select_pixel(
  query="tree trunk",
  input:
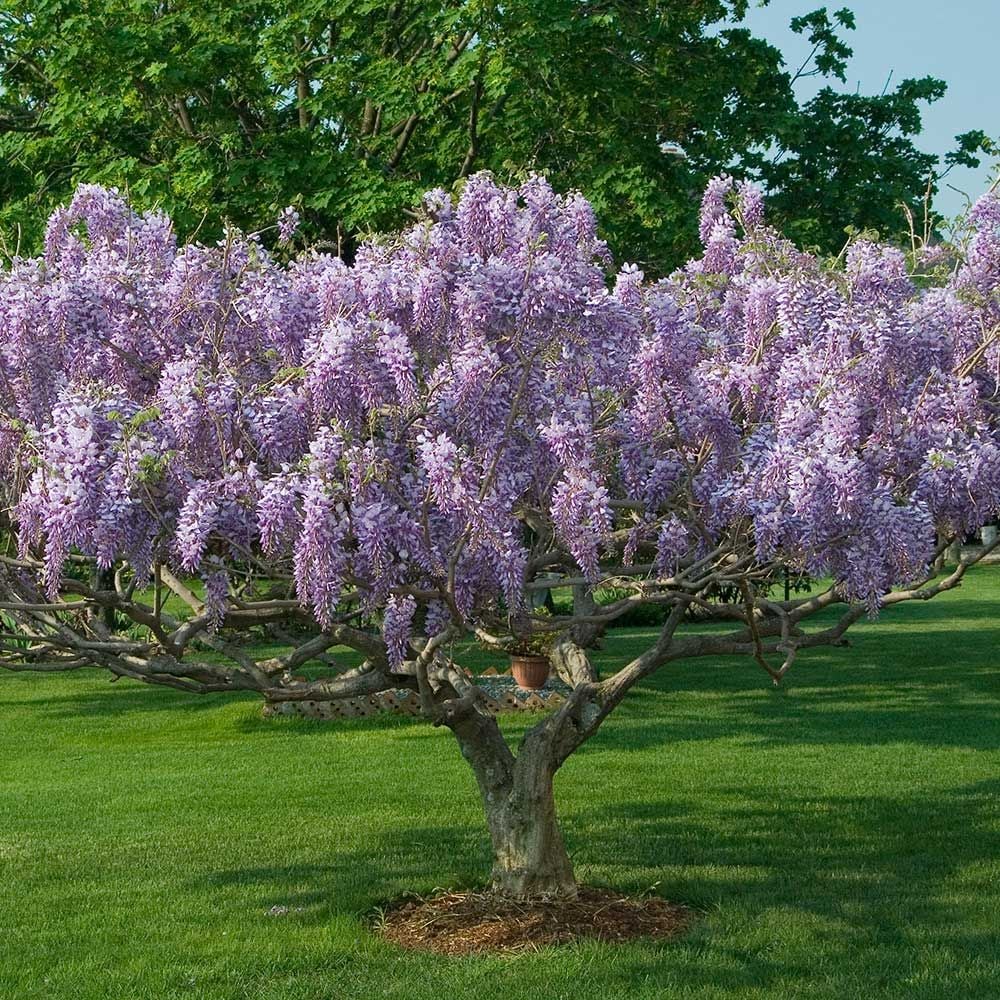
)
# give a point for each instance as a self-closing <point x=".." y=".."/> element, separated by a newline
<point x="529" y="856"/>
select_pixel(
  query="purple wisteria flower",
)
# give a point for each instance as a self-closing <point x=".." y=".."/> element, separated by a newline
<point x="288" y="224"/>
<point x="402" y="436"/>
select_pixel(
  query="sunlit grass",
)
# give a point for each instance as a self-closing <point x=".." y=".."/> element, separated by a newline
<point x="841" y="835"/>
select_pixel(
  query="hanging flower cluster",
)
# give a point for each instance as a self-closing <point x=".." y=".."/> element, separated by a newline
<point x="413" y="428"/>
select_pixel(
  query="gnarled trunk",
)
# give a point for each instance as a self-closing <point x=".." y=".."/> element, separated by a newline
<point x="529" y="856"/>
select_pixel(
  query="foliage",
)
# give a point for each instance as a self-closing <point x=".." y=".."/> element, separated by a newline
<point x="531" y="634"/>
<point x="392" y="430"/>
<point x="349" y="111"/>
<point x="476" y="411"/>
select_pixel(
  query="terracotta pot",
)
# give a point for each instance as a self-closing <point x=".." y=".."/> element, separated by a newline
<point x="530" y="672"/>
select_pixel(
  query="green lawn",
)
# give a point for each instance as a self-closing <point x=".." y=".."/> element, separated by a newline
<point x="841" y="836"/>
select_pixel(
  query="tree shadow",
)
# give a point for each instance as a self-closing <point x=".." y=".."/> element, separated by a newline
<point x="259" y="724"/>
<point x="117" y="699"/>
<point x="869" y="873"/>
<point x="887" y="844"/>
<point x="815" y="720"/>
<point x="915" y="687"/>
<point x="110" y="698"/>
<point x="421" y="859"/>
<point x="867" y="877"/>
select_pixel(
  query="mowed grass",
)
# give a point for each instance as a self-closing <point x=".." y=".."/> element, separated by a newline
<point x="841" y="836"/>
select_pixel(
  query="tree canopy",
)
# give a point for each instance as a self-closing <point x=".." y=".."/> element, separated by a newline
<point x="394" y="455"/>
<point x="349" y="110"/>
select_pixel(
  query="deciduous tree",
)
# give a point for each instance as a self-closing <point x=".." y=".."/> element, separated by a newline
<point x="352" y="109"/>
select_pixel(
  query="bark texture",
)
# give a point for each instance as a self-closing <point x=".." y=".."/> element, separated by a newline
<point x="529" y="856"/>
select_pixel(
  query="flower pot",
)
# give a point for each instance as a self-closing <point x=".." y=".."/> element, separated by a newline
<point x="530" y="672"/>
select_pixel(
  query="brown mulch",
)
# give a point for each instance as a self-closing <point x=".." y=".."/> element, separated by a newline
<point x="474" y="923"/>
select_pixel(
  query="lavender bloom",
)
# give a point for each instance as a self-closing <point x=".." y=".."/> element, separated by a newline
<point x="196" y="519"/>
<point x="751" y="202"/>
<point x="320" y="556"/>
<point x="288" y="224"/>
<point x="416" y="422"/>
<point x="216" y="595"/>
<point x="396" y="625"/>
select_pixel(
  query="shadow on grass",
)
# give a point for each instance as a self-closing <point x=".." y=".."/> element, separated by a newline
<point x="838" y="849"/>
<point x="827" y="700"/>
<point x="872" y="879"/>
<point x="902" y="717"/>
<point x="256" y="723"/>
<point x="355" y="883"/>
<point x="97" y="695"/>
<point x="905" y="682"/>
<point x="120" y="702"/>
<point x="872" y="876"/>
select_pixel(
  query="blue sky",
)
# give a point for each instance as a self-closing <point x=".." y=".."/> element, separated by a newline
<point x="957" y="41"/>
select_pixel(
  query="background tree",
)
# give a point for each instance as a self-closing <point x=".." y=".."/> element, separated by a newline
<point x="844" y="155"/>
<point x="351" y="109"/>
<point x="389" y="458"/>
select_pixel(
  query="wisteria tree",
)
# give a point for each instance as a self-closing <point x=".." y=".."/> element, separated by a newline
<point x="393" y="457"/>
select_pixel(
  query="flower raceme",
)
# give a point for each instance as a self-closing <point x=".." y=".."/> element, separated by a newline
<point x="479" y="399"/>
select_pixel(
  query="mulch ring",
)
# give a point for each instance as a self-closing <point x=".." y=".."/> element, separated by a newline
<point x="475" y="923"/>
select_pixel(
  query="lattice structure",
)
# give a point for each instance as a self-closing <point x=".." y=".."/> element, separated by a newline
<point x="503" y="695"/>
